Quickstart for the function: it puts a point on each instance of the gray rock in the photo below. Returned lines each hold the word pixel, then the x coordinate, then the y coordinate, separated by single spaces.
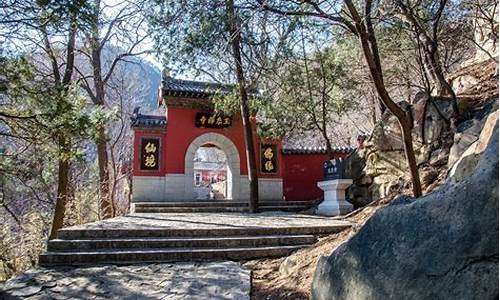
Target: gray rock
pixel 439 157
pixel 358 193
pixel 440 246
pixel 463 140
pixel 287 264
pixel 467 162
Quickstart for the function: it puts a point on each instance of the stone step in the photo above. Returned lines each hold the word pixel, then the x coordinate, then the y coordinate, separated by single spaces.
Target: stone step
pixel 219 206
pixel 290 208
pixel 192 204
pixel 120 256
pixel 108 233
pixel 286 203
pixel 198 242
pixel 222 203
pixel 159 209
pixel 181 209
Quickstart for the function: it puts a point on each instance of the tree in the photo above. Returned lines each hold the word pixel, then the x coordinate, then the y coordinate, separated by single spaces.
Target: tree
pixel 37 26
pixel 121 25
pixel 212 35
pixel 360 23
pixel 312 92
pixel 234 30
pixel 425 19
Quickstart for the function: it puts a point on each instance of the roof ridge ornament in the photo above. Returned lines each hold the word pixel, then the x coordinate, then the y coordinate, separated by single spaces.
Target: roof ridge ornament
pixel 165 74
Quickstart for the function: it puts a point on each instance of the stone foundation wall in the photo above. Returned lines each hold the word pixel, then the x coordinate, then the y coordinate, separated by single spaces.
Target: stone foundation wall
pixel 173 187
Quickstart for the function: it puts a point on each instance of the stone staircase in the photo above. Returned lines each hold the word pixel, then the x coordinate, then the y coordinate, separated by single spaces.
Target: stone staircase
pixel 115 245
pixel 220 206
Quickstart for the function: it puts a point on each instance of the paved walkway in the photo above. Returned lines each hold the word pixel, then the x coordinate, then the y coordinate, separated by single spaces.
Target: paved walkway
pixel 211 221
pixel 215 280
pixel 208 280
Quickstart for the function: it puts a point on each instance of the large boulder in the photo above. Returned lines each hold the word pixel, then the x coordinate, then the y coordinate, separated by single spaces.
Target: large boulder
pixel 440 246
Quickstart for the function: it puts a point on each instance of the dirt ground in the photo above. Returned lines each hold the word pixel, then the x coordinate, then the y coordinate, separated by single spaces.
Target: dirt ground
pixel 294 283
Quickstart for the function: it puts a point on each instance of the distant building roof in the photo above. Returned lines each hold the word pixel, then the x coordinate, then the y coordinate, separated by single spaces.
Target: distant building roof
pixel 315 150
pixel 210 165
pixel 147 121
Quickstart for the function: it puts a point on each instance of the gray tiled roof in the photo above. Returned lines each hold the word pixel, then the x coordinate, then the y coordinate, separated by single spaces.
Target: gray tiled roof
pixel 147 121
pixel 198 89
pixel 315 150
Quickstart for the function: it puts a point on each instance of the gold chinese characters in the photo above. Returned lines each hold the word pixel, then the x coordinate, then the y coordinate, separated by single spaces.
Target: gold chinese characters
pixel 210 120
pixel 150 161
pixel 150 154
pixel 268 158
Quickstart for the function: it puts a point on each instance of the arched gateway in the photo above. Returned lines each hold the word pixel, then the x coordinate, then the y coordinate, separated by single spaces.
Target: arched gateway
pixel 232 156
pixel 165 147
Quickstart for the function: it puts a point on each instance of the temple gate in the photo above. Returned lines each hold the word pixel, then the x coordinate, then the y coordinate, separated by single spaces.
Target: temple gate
pixel 165 146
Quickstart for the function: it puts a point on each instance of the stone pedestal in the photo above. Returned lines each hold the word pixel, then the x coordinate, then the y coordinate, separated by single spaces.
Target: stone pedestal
pixel 334 203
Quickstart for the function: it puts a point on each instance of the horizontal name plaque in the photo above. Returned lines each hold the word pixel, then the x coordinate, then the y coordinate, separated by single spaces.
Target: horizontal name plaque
pixel 212 120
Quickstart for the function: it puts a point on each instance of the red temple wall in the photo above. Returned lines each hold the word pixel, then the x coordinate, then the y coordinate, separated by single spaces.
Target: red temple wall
pixel 179 134
pixel 301 174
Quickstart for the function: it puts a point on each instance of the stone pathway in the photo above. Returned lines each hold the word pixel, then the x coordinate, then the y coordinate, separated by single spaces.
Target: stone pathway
pixel 211 221
pixel 215 280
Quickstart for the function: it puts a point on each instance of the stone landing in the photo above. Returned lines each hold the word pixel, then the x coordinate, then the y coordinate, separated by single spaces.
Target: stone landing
pixel 169 237
pixel 194 281
pixel 204 206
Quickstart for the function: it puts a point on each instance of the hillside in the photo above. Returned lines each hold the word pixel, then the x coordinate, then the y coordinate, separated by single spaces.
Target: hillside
pixel 292 277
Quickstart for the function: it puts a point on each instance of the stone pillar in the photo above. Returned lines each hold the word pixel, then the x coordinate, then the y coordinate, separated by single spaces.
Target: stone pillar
pixel 334 202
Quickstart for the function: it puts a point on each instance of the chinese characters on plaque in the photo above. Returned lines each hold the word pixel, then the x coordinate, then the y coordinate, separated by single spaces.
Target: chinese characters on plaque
pixel 211 120
pixel 333 169
pixel 268 158
pixel 150 154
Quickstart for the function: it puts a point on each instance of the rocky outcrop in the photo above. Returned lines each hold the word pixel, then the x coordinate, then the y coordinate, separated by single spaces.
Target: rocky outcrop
pixel 440 246
pixel 465 164
pixel 380 167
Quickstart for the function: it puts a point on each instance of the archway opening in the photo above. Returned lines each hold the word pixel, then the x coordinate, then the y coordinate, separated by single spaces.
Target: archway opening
pixel 211 173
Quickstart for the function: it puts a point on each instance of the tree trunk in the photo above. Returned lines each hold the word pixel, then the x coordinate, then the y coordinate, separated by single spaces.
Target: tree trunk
pixel 62 187
pixel 234 30
pixel 366 36
pixel 105 205
pixel 429 44
pixel 442 86
pixel 329 148
pixel 406 127
pixel 105 201
pixel 64 143
pixel 381 106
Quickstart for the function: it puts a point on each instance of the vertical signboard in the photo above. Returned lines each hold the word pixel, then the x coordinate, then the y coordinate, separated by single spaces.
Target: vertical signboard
pixel 268 158
pixel 150 154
